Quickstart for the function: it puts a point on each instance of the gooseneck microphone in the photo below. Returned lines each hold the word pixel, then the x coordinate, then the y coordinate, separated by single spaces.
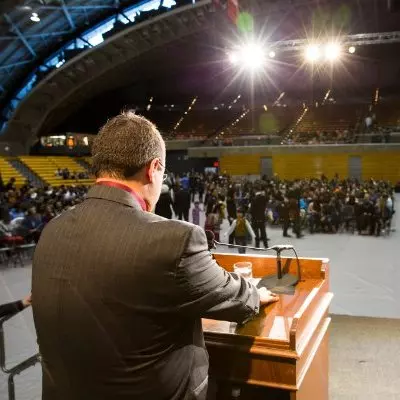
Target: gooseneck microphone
pixel 279 283
pixel 212 244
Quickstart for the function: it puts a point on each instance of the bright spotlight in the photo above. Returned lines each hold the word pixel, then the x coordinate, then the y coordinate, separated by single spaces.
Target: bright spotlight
pixel 233 57
pixel 352 49
pixel 312 52
pixel 35 17
pixel 332 51
pixel 252 55
pixel 272 54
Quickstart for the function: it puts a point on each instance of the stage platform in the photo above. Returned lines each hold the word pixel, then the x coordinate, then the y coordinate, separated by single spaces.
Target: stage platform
pixel 364 279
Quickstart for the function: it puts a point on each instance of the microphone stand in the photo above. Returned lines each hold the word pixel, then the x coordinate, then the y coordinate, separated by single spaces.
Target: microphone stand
pixel 279 282
pixel 279 264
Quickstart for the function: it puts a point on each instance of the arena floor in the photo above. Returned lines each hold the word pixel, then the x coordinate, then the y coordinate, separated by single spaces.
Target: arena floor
pixel 364 280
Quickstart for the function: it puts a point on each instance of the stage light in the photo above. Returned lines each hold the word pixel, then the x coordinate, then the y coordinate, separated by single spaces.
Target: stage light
pixel 312 52
pixel 233 57
pixel 252 55
pixel 332 51
pixel 272 54
pixel 35 17
pixel 352 49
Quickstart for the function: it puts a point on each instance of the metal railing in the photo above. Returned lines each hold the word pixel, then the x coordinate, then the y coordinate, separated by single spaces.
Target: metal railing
pixel 17 369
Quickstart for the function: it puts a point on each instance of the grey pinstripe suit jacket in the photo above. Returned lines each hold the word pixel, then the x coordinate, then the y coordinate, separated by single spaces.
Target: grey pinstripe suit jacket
pixel 118 298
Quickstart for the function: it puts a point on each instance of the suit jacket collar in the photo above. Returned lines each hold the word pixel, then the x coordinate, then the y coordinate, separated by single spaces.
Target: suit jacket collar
pixel 113 194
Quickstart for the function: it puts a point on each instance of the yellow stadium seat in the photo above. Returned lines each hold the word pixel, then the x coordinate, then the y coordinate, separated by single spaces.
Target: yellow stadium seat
pixel 8 171
pixel 46 167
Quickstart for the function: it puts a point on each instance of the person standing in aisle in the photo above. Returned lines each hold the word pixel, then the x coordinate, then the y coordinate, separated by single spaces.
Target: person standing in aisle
pixel 258 208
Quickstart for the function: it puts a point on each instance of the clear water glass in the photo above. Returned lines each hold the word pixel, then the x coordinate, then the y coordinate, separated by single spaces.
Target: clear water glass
pixel 244 268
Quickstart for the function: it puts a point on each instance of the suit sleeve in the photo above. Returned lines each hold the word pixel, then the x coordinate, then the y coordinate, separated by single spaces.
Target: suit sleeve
pixel 9 309
pixel 207 290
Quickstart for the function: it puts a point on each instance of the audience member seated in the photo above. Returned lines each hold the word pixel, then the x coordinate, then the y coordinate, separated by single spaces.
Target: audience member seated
pixel 66 174
pixel 25 211
pixel 317 205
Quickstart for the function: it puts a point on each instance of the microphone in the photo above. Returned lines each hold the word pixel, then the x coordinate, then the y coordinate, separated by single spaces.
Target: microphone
pixel 212 244
pixel 280 247
pixel 278 283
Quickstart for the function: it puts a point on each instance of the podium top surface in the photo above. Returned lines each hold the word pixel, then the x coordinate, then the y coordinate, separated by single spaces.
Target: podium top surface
pixel 274 321
pixel 279 325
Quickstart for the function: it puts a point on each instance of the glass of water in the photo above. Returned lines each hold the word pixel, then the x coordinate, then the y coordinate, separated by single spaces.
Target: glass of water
pixel 244 268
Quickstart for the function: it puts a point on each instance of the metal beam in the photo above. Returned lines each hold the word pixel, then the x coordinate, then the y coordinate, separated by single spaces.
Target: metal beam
pixel 85 41
pixel 16 64
pixel 86 7
pixel 67 15
pixel 37 35
pixel 19 34
pixel 359 39
pixel 126 17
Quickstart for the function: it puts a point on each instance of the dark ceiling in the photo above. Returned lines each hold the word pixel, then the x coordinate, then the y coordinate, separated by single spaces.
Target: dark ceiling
pixel 197 66
pixel 24 44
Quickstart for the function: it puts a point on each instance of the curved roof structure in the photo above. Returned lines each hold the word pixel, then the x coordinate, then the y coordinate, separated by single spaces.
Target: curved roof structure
pixel 37 36
pixel 79 49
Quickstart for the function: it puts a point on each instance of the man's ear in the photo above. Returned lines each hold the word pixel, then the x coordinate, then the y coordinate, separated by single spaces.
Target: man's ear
pixel 151 170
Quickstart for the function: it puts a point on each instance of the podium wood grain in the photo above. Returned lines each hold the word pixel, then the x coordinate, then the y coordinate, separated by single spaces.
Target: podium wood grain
pixel 285 348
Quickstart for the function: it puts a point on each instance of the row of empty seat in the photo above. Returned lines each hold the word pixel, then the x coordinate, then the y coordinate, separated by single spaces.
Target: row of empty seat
pixel 8 172
pixel 330 118
pixel 387 114
pixel 45 168
pixel 270 121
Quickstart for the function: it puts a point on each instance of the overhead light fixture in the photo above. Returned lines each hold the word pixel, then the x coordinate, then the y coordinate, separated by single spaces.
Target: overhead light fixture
pixel 253 55
pixel 233 57
pixel 312 53
pixel 332 51
pixel 168 3
pixel 250 55
pixel 352 49
pixel 35 17
pixel 272 54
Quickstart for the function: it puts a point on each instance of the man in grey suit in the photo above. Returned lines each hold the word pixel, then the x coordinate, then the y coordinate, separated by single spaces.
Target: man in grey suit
pixel 119 292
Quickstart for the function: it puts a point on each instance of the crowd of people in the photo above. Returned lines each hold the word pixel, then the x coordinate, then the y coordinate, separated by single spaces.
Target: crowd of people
pixel 65 173
pixel 25 211
pixel 312 205
pixel 308 205
pixel 338 136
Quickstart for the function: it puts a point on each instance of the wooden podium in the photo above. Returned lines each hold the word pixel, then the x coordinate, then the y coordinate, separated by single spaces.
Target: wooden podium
pixel 283 352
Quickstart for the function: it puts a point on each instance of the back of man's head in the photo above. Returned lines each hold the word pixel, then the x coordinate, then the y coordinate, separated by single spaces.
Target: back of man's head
pixel 124 145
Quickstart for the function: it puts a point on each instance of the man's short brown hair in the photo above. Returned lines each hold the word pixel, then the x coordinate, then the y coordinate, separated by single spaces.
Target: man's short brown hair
pixel 124 145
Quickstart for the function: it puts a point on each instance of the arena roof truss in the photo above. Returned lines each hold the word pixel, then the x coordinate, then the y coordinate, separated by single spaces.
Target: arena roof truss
pixel 37 77
pixel 75 81
pixel 359 39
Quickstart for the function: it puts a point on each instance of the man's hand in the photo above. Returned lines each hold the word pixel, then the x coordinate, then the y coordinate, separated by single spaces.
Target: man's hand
pixel 267 297
pixel 27 301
